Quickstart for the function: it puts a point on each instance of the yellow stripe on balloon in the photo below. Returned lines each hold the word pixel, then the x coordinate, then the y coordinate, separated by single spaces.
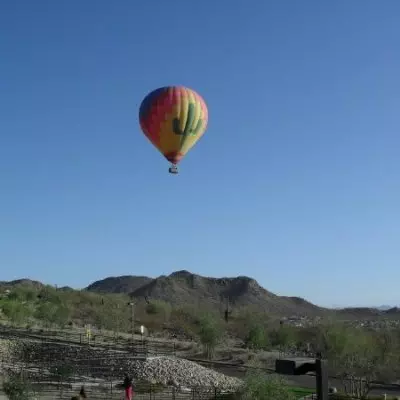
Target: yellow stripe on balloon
pixel 190 140
pixel 186 100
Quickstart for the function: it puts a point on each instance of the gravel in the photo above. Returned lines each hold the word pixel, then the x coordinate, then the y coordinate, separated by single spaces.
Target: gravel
pixel 7 350
pixel 181 373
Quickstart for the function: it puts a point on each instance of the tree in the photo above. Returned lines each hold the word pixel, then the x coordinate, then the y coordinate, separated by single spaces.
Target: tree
pixel 257 338
pixel 49 294
pixel 358 357
pixel 16 311
pixel 210 333
pixel 283 337
pixel 23 293
pixel 46 313
pixel 159 307
pixel 259 386
pixel 113 317
pixel 62 316
pixel 388 354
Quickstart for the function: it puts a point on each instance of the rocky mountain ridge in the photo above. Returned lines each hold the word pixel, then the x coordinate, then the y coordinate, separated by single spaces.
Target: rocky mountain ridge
pixel 185 288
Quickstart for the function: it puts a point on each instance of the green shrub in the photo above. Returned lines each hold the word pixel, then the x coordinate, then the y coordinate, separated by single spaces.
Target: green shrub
pixel 16 311
pixel 159 307
pixel 210 333
pixel 16 388
pixel 257 338
pixel 259 386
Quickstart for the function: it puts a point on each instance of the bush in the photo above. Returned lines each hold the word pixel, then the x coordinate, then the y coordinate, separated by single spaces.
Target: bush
pixel 159 307
pixel 62 371
pixel 51 313
pixel 282 337
pixel 259 386
pixel 16 388
pixel 16 311
pixel 257 338
pixel 209 333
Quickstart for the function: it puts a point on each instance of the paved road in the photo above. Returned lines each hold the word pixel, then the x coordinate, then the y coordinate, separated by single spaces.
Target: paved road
pixel 308 381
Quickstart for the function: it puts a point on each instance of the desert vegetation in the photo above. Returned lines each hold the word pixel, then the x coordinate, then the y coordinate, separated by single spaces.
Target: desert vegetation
pixel 360 357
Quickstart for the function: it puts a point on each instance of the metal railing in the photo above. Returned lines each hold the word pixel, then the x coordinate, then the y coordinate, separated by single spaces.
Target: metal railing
pixel 111 391
pixel 140 346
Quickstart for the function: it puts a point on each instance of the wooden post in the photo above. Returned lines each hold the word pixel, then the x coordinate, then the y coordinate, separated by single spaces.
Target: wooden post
pixel 173 393
pixel 322 379
pixel 302 367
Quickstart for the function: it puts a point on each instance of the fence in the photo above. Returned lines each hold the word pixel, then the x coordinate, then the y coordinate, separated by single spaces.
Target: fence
pixel 113 390
pixel 167 394
pixel 53 367
pixel 64 360
pixel 141 346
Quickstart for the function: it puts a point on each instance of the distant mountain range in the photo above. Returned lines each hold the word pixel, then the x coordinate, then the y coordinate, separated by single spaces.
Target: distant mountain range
pixel 119 284
pixel 183 287
pixel 186 288
pixel 384 308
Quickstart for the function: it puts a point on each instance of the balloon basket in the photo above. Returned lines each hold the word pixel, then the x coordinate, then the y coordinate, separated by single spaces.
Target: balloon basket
pixel 173 169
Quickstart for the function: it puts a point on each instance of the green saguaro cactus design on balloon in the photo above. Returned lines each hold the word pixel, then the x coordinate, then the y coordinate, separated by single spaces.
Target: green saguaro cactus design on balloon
pixel 188 130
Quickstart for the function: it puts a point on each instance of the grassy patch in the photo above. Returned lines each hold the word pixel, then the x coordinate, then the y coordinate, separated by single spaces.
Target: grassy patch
pixel 301 392
pixel 370 397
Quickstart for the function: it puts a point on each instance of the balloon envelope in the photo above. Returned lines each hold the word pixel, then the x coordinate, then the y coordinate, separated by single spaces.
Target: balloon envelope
pixel 173 118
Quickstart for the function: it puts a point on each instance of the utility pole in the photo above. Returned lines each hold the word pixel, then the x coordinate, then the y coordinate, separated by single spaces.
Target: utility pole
pixel 227 310
pixel 132 304
pixel 225 306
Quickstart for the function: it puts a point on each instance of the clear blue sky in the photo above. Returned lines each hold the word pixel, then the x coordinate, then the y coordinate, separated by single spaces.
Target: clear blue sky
pixel 295 183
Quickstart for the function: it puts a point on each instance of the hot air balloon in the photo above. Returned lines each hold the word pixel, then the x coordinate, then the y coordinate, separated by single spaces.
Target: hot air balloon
pixel 173 118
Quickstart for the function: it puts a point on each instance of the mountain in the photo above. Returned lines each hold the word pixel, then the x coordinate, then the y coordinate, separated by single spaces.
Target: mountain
pixel 384 308
pixel 185 288
pixel 22 282
pixel 119 284
pixel 360 312
pixel 392 311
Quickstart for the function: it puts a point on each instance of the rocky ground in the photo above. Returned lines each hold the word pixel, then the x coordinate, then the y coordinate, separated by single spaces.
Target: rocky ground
pixel 181 373
pixel 44 358
pixel 6 349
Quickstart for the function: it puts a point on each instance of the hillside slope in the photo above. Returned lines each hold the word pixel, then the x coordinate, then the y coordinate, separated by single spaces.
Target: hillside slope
pixel 4 285
pixel 183 287
pixel 119 284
